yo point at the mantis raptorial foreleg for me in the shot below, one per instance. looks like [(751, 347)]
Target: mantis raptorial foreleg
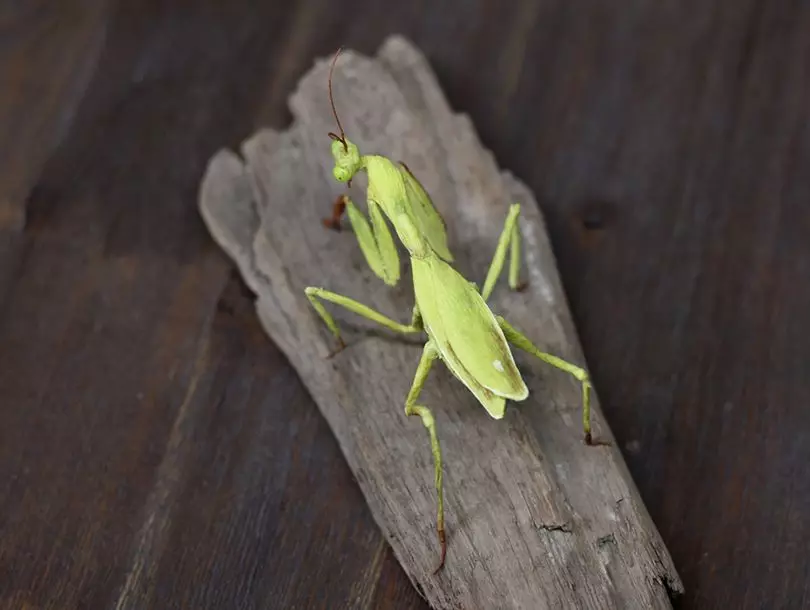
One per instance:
[(520, 340), (429, 355), (338, 208), (315, 294), (373, 235), (510, 237)]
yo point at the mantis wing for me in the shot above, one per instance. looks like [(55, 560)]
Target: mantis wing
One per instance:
[(427, 218), (467, 335)]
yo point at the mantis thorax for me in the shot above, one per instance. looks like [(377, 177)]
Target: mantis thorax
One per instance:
[(411, 237), (385, 185), (387, 189)]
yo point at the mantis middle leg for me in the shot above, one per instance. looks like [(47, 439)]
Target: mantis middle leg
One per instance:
[(315, 294), (510, 237), (429, 355), (520, 340)]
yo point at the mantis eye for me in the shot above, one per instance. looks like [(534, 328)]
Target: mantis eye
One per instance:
[(341, 174)]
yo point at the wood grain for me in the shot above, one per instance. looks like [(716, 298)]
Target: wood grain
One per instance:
[(535, 518), (130, 362), (45, 69), (667, 145)]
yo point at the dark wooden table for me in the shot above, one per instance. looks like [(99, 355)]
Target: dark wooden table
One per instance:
[(156, 450)]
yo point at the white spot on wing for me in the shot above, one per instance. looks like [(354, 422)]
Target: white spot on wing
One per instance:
[(498, 365)]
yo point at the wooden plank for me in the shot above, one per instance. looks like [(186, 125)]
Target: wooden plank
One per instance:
[(535, 518), (135, 389), (666, 143), (47, 56)]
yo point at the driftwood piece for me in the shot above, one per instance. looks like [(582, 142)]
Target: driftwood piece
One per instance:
[(535, 518)]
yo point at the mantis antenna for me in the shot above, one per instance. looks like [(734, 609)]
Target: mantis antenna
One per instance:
[(342, 137)]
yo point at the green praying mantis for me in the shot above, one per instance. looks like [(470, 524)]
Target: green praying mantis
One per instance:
[(461, 330)]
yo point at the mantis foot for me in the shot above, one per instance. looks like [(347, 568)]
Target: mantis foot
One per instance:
[(341, 346), (522, 286), (443, 542), (592, 443)]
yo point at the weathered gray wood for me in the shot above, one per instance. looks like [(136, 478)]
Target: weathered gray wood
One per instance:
[(535, 518)]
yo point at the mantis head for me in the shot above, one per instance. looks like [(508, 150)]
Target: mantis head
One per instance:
[(347, 160), (345, 153)]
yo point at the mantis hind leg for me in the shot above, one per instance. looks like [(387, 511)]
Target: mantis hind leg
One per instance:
[(520, 340), (429, 355), (510, 238), (315, 295)]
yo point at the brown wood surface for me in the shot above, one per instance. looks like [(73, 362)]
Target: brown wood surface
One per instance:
[(668, 144)]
